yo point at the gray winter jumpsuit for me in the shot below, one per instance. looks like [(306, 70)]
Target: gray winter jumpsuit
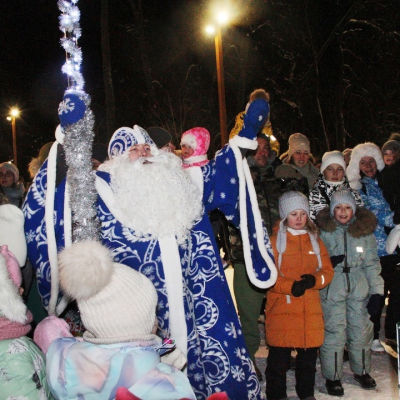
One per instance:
[(344, 301)]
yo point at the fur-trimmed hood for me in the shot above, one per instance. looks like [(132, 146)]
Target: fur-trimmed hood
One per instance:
[(363, 224), (367, 149)]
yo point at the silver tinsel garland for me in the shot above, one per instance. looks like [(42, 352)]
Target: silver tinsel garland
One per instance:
[(79, 136), (80, 177)]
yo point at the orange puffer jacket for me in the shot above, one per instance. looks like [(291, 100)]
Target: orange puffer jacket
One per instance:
[(297, 321)]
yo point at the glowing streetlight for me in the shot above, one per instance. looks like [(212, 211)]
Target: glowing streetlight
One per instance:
[(14, 113), (222, 18)]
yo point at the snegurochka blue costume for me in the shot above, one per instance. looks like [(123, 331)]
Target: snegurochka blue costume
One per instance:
[(181, 259)]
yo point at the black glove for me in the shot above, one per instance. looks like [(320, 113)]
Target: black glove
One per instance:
[(299, 288), (309, 280), (335, 260), (374, 304)]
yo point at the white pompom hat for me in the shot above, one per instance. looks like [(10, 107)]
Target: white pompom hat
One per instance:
[(367, 149), (12, 231), (117, 303)]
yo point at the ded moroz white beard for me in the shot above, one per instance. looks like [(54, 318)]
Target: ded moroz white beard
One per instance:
[(156, 197)]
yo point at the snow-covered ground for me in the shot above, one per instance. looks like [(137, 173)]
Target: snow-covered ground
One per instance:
[(384, 371)]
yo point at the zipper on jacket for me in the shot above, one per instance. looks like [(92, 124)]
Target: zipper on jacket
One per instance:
[(346, 268)]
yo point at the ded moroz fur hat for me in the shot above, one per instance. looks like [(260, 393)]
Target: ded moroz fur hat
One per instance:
[(124, 138)]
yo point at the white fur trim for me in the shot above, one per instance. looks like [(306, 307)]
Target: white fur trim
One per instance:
[(393, 240), (49, 219), (105, 192), (243, 142), (245, 179), (196, 176), (367, 149), (189, 140), (173, 280), (195, 159), (12, 231), (11, 304), (59, 134)]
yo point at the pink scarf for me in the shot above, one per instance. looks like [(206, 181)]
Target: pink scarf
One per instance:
[(13, 330)]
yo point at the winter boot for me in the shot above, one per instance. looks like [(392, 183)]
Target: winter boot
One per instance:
[(334, 388), (365, 381)]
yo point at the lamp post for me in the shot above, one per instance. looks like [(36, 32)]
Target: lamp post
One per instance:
[(14, 113), (222, 19)]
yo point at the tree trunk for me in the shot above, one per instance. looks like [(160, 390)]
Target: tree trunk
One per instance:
[(138, 14), (107, 73)]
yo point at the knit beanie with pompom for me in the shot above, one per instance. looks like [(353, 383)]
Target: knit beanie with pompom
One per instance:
[(117, 303)]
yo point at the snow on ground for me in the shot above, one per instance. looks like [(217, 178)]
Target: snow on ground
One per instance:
[(384, 371)]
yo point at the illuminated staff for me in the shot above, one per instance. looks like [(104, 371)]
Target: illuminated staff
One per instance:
[(69, 25)]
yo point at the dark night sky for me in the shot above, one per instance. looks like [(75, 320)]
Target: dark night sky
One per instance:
[(279, 57), (31, 60)]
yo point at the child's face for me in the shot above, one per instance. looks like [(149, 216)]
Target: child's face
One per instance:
[(187, 151), (343, 213), (333, 173), (390, 157), (297, 219)]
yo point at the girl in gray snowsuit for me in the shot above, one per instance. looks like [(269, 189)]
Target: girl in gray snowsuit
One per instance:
[(354, 292)]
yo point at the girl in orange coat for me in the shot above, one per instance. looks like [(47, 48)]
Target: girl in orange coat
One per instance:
[(294, 318)]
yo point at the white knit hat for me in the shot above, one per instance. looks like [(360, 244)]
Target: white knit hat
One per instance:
[(343, 196), (332, 157), (117, 303), (367, 149), (12, 231), (291, 201)]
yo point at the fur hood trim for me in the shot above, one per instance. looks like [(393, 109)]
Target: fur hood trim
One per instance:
[(34, 166), (364, 223), (367, 149), (12, 306)]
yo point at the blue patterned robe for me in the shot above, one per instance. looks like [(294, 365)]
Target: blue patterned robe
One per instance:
[(216, 352)]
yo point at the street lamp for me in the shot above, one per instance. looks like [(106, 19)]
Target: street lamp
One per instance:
[(221, 19), (14, 113)]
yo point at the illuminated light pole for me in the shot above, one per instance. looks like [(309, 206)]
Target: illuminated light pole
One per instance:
[(14, 114), (222, 19)]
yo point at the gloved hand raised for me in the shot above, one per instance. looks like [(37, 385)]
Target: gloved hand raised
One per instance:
[(335, 260), (374, 304), (309, 280)]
